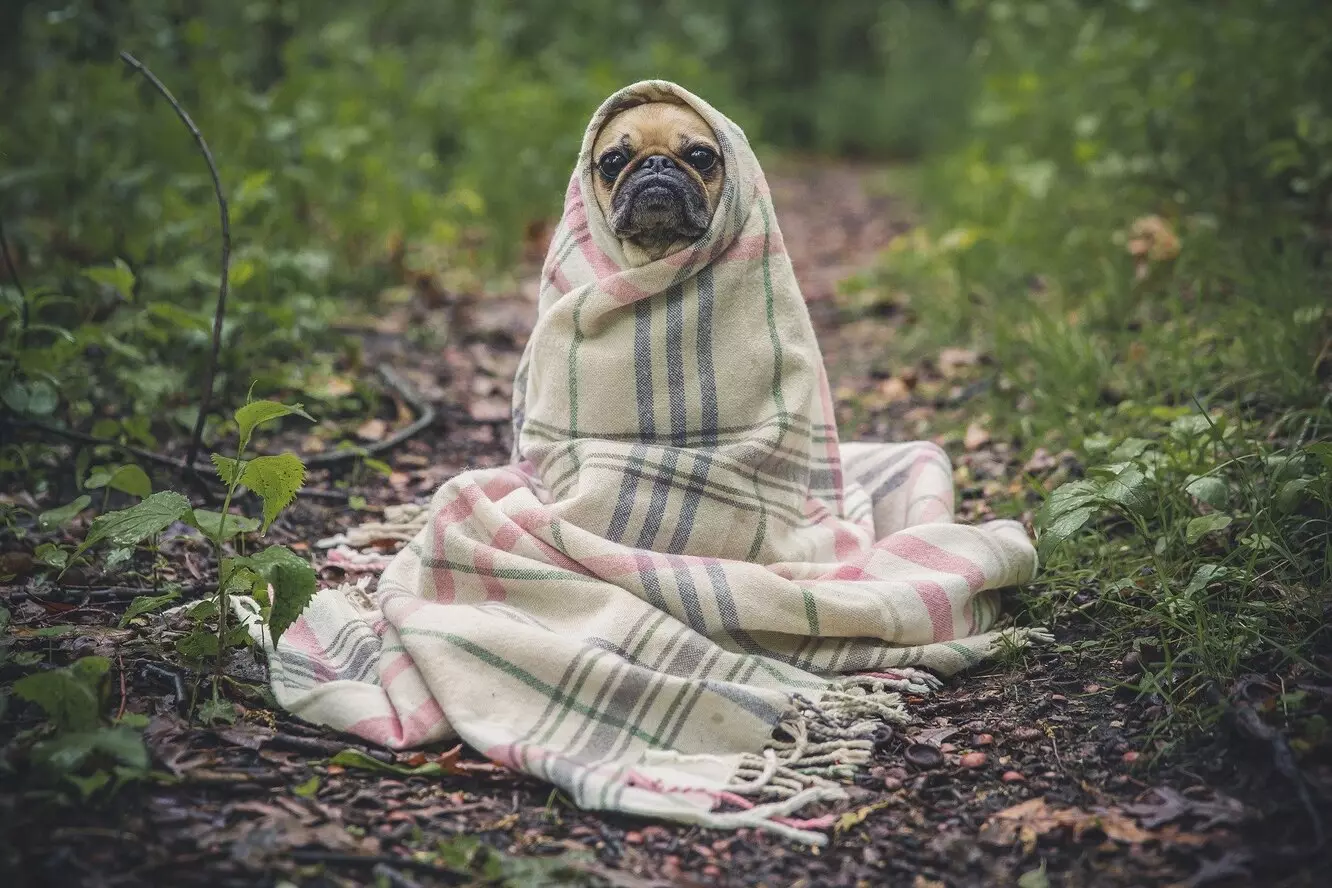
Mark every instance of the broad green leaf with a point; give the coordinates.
(211, 524)
(124, 744)
(135, 524)
(119, 277)
(1285, 466)
(1129, 448)
(52, 555)
(128, 478)
(42, 398)
(117, 557)
(1065, 498)
(1199, 527)
(1323, 451)
(1189, 427)
(1063, 527)
(1129, 489)
(145, 604)
(214, 711)
(276, 479)
(256, 412)
(228, 469)
(200, 644)
(70, 695)
(1206, 574)
(293, 581)
(1210, 489)
(15, 396)
(1293, 494)
(179, 317)
(64, 753)
(59, 517)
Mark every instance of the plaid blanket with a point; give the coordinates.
(684, 598)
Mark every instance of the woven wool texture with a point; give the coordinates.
(681, 557)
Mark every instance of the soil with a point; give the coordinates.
(1044, 770)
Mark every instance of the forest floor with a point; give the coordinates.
(1045, 771)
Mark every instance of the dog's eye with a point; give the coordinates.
(701, 158)
(611, 163)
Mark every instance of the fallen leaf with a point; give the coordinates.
(976, 438)
(1030, 820)
(489, 410)
(372, 430)
(1034, 878)
(935, 736)
(1164, 805)
(246, 735)
(953, 360)
(895, 390)
(856, 817)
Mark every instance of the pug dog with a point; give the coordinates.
(658, 177)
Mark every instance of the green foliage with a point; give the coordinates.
(1134, 227)
(129, 527)
(1216, 543)
(1116, 224)
(282, 581)
(352, 141)
(77, 747)
(128, 478)
(147, 604)
(62, 515)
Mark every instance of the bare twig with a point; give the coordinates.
(425, 417)
(84, 594)
(206, 396)
(14, 275)
(195, 473)
(406, 863)
(83, 438)
(120, 663)
(177, 682)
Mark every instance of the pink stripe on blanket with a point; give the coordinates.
(938, 606)
(831, 451)
(918, 551)
(397, 733)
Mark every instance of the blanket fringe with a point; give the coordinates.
(819, 744)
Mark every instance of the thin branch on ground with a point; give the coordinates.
(196, 472)
(425, 417)
(332, 857)
(14, 275)
(206, 396)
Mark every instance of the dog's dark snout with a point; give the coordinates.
(658, 163)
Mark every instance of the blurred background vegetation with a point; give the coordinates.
(350, 134)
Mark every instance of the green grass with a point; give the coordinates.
(1198, 541)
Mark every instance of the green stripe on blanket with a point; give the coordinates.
(702, 609)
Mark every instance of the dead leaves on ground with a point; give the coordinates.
(1150, 821)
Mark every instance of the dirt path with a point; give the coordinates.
(1032, 772)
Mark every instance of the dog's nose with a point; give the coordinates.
(658, 163)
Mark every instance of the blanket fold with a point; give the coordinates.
(684, 597)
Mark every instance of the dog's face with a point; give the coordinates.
(658, 176)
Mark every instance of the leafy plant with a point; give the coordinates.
(281, 581)
(1222, 545)
(78, 745)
